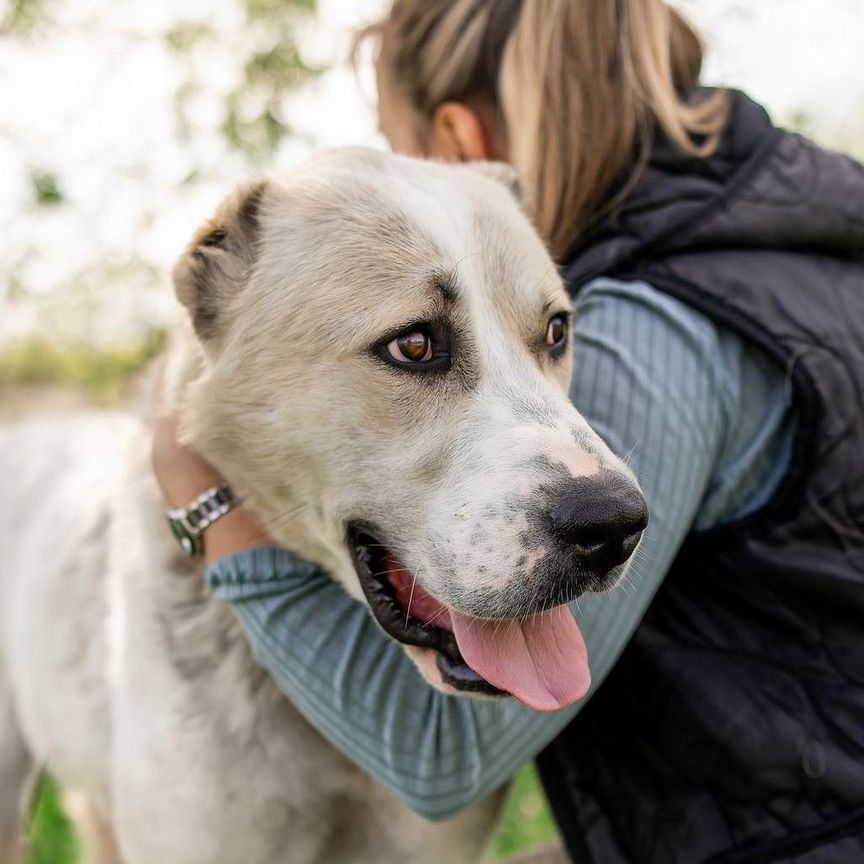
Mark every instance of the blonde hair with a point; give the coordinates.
(578, 87)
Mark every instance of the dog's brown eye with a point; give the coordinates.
(556, 332)
(413, 347)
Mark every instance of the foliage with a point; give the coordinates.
(270, 68)
(102, 374)
(268, 10)
(52, 840)
(21, 17)
(75, 211)
(46, 188)
(526, 821)
(273, 65)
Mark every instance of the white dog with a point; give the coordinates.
(383, 351)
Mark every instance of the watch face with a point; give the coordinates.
(177, 530)
(188, 524)
(187, 543)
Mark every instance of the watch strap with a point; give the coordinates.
(189, 523)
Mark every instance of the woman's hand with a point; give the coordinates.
(182, 475)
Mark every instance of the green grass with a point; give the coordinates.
(102, 374)
(526, 822)
(52, 840)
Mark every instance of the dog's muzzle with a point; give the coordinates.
(518, 638)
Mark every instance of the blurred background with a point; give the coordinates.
(123, 122)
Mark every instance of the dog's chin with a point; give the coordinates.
(433, 648)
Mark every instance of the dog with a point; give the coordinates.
(379, 347)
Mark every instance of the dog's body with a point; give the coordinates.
(133, 686)
(126, 680)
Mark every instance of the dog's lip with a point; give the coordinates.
(365, 548)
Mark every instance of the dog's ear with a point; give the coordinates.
(216, 264)
(504, 174)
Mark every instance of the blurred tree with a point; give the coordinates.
(46, 188)
(271, 66)
(230, 71)
(269, 63)
(21, 17)
(801, 121)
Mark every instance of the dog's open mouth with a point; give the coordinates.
(541, 660)
(410, 614)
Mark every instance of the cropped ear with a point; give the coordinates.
(504, 174)
(216, 265)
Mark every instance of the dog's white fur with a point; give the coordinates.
(121, 675)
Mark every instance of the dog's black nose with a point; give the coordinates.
(600, 519)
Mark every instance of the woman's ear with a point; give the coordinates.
(460, 135)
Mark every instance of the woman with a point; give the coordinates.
(716, 267)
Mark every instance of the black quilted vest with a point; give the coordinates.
(732, 728)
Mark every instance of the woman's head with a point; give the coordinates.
(568, 91)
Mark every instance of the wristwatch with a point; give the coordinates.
(188, 523)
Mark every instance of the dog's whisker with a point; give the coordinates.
(439, 614)
(410, 599)
(642, 554)
(629, 454)
(281, 518)
(631, 574)
(464, 258)
(626, 575)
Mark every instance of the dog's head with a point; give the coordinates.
(388, 352)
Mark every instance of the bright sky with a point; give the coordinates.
(93, 102)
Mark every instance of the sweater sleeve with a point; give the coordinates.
(646, 376)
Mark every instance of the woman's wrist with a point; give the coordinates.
(234, 532)
(183, 475)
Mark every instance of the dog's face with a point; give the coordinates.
(388, 354)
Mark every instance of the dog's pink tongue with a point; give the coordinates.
(543, 661)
